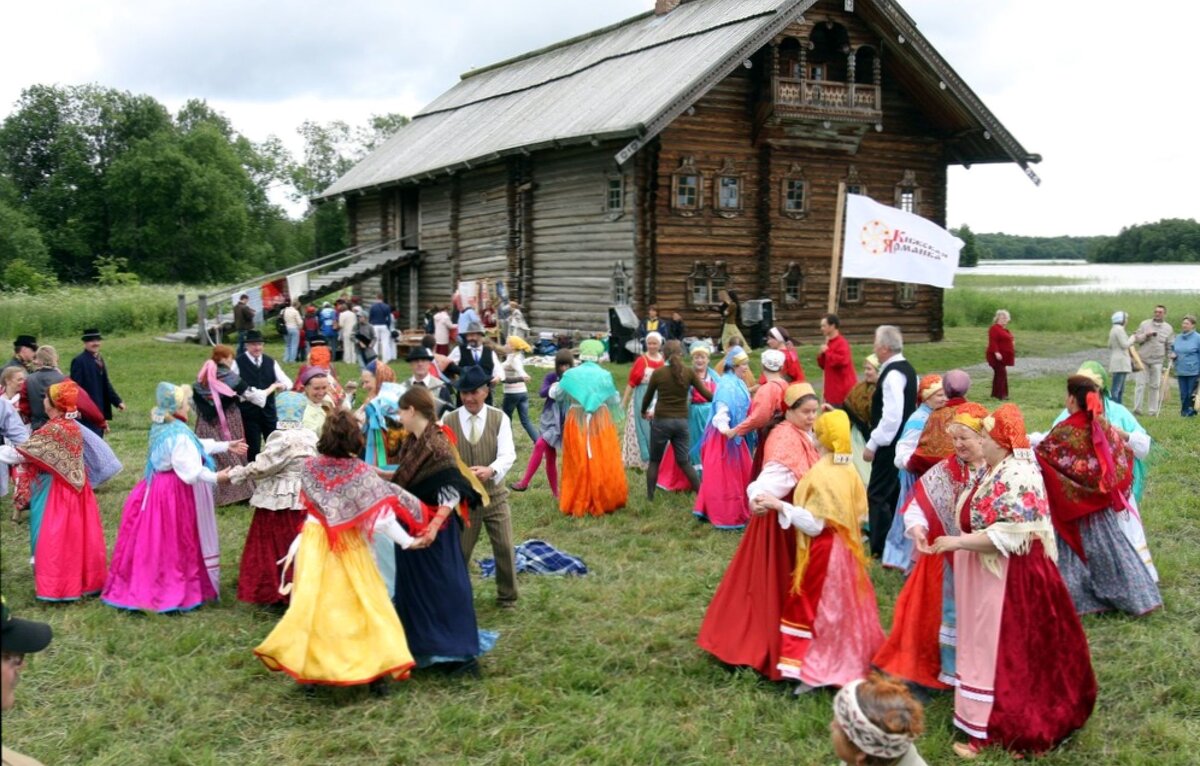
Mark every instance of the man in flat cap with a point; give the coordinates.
(17, 639)
(90, 371)
(485, 442)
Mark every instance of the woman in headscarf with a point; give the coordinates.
(278, 512)
(167, 554)
(1023, 667)
(432, 587)
(593, 478)
(670, 477)
(921, 647)
(635, 443)
(875, 722)
(1088, 470)
(778, 339)
(318, 404)
(726, 461)
(741, 625)
(931, 396)
(65, 534)
(340, 629)
(1138, 439)
(767, 407)
(550, 428)
(218, 417)
(1120, 363)
(933, 444)
(858, 406)
(829, 628)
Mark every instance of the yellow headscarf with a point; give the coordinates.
(833, 431)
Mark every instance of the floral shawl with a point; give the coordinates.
(57, 447)
(1077, 481)
(937, 492)
(430, 462)
(346, 493)
(1010, 506)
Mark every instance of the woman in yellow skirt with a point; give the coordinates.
(340, 628)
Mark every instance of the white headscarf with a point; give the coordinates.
(773, 359)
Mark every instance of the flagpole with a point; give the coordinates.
(835, 261)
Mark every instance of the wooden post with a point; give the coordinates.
(202, 318)
(414, 293)
(181, 310)
(835, 261)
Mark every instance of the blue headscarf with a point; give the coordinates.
(732, 392)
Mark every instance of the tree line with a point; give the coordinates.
(98, 184)
(1170, 240)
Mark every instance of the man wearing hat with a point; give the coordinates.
(243, 320)
(421, 360)
(262, 373)
(17, 639)
(90, 372)
(485, 442)
(471, 352)
(23, 348)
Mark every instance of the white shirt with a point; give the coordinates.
(506, 451)
(893, 407)
(441, 328)
(292, 318)
(280, 375)
(455, 356)
(346, 322)
(514, 368)
(187, 463)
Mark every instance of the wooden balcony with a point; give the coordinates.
(827, 100)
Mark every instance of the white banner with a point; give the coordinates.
(885, 243)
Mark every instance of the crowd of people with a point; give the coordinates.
(1000, 533)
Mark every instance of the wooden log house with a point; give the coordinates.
(695, 147)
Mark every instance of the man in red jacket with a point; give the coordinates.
(836, 361)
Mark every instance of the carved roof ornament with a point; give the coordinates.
(727, 168)
(909, 179)
(795, 171)
(852, 177)
(687, 164)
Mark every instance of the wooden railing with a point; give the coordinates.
(817, 98)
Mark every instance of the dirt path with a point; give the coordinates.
(1040, 366)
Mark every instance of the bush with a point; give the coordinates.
(19, 276)
(110, 271)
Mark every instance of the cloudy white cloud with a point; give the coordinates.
(1101, 93)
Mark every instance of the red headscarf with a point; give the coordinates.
(64, 395)
(1006, 426)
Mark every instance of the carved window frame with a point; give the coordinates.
(728, 173)
(620, 291)
(614, 183)
(908, 186)
(906, 295)
(853, 292)
(687, 169)
(854, 182)
(791, 285)
(705, 281)
(795, 175)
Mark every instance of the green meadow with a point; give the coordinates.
(601, 669)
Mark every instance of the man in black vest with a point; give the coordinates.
(894, 400)
(259, 371)
(472, 352)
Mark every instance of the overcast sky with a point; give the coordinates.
(1107, 95)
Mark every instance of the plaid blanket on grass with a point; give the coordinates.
(539, 557)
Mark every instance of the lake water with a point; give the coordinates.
(1106, 277)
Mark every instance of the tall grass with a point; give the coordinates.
(114, 310)
(1058, 311)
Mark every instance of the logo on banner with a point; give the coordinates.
(878, 238)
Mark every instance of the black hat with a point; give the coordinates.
(25, 341)
(418, 354)
(91, 334)
(22, 636)
(254, 336)
(317, 342)
(472, 378)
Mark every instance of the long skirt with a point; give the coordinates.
(830, 629)
(593, 479)
(635, 440)
(67, 540)
(670, 477)
(898, 548)
(227, 494)
(339, 629)
(741, 625)
(271, 534)
(1131, 524)
(158, 562)
(921, 647)
(857, 445)
(1025, 679)
(1113, 576)
(722, 496)
(434, 601)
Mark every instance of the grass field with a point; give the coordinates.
(595, 670)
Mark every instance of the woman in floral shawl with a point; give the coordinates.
(741, 625)
(726, 461)
(1025, 679)
(65, 534)
(340, 629)
(921, 647)
(432, 588)
(167, 554)
(1088, 470)
(593, 477)
(830, 625)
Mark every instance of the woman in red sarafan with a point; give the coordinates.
(1000, 353)
(1024, 670)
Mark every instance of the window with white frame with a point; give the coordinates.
(729, 189)
(793, 285)
(614, 197)
(620, 277)
(705, 282)
(852, 291)
(908, 193)
(686, 188)
(794, 194)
